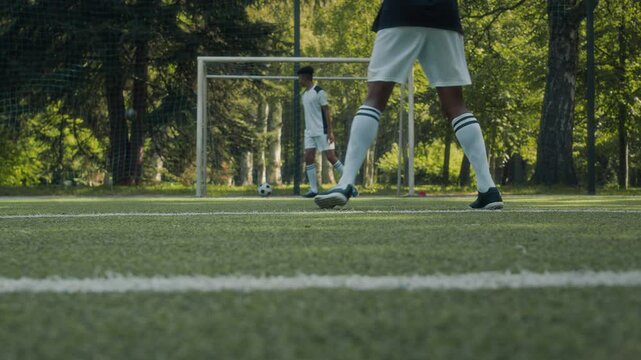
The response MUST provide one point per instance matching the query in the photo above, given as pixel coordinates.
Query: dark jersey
(440, 14)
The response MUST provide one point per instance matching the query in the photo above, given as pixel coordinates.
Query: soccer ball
(265, 190)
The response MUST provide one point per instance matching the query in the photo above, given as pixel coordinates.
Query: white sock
(311, 177)
(468, 132)
(364, 128)
(338, 167)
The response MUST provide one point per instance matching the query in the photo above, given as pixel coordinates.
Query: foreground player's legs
(310, 169)
(468, 132)
(395, 51)
(364, 129)
(363, 132)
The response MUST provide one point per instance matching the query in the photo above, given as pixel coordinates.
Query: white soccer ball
(265, 190)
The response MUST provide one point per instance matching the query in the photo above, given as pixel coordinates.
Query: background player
(318, 128)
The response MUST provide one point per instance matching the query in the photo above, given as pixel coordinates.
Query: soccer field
(550, 277)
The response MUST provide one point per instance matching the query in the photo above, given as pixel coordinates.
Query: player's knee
(378, 94)
(453, 110)
(452, 103)
(376, 103)
(310, 157)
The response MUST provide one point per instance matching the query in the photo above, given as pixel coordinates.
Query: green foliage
(19, 161)
(90, 57)
(60, 58)
(52, 148)
(428, 162)
(618, 58)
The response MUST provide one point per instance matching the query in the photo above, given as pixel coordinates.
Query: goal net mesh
(104, 92)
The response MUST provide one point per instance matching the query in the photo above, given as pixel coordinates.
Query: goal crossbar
(201, 113)
(283, 77)
(264, 59)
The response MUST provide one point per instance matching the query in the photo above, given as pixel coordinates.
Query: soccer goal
(245, 92)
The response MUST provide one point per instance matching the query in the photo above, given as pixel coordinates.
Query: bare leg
(310, 156)
(378, 94)
(331, 156)
(452, 102)
(336, 164)
(310, 170)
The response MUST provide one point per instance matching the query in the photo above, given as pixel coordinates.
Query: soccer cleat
(335, 197)
(490, 200)
(310, 194)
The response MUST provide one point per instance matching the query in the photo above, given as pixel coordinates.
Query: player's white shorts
(318, 142)
(440, 52)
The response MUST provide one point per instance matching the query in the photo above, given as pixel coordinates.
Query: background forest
(103, 92)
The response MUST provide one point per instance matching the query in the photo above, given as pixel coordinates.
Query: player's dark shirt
(440, 14)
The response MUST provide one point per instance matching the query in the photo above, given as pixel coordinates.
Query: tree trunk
(261, 160)
(222, 174)
(622, 173)
(554, 153)
(275, 128)
(158, 167)
(464, 175)
(246, 167)
(446, 156)
(514, 172)
(118, 129)
(137, 142)
(368, 167)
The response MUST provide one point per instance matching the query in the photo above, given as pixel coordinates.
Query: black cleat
(335, 197)
(310, 194)
(490, 200)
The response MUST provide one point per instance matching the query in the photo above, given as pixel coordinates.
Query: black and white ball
(265, 190)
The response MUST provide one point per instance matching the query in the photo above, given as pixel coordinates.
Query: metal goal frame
(202, 112)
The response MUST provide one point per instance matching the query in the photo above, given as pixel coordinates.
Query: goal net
(250, 121)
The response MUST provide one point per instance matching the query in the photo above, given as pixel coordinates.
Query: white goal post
(202, 112)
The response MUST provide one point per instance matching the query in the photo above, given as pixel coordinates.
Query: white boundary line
(318, 212)
(468, 282)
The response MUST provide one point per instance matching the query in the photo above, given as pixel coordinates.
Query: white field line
(468, 282)
(317, 213)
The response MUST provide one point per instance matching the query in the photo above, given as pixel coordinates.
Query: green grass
(527, 324)
(591, 323)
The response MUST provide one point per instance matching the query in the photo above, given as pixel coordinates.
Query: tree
(555, 163)
(102, 84)
(137, 60)
(274, 128)
(618, 53)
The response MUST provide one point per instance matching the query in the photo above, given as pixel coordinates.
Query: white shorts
(318, 142)
(440, 52)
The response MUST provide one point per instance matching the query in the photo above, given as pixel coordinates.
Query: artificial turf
(591, 323)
